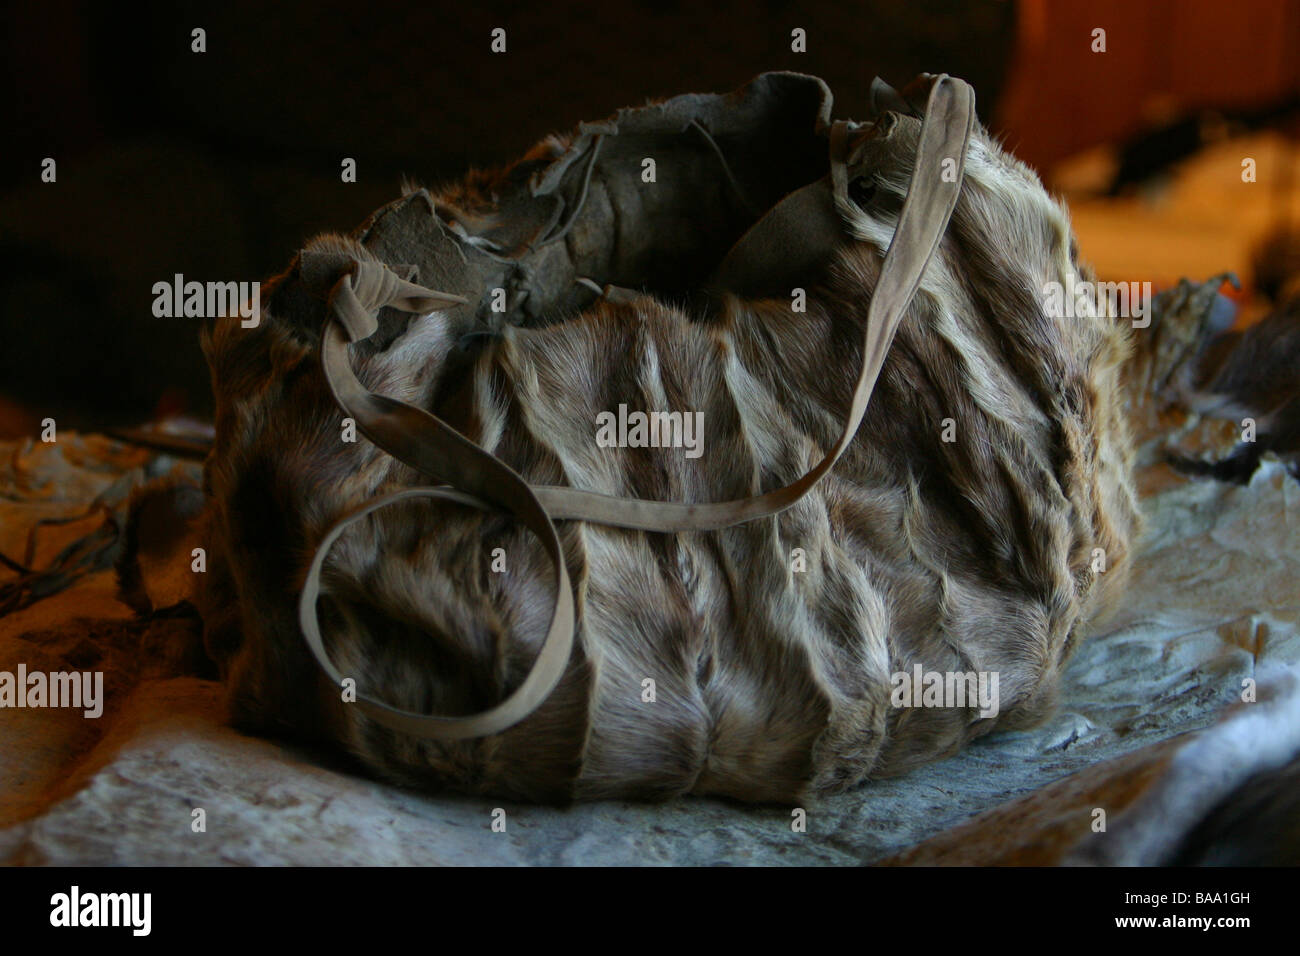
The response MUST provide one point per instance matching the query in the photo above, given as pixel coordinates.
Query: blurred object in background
(1147, 138)
(1210, 400)
(220, 165)
(1161, 58)
(1203, 219)
(1277, 263)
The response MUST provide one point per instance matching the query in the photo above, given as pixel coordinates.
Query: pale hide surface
(1213, 601)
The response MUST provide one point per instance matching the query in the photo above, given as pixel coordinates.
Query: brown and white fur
(771, 684)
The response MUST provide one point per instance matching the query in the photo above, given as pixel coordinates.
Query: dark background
(220, 165)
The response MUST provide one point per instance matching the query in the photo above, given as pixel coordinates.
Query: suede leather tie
(476, 478)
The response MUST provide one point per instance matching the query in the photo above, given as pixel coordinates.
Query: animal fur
(771, 684)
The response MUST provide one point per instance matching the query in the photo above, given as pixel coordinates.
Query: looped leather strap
(476, 478)
(542, 677)
(430, 445)
(366, 287)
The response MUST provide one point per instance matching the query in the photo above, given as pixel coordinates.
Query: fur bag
(742, 273)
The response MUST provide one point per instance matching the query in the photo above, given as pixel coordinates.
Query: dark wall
(219, 165)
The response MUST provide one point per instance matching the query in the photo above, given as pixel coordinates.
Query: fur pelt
(770, 683)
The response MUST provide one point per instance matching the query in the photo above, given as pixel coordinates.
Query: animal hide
(1251, 377)
(960, 532)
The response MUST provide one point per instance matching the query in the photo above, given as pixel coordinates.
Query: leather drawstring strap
(473, 476)
(477, 478)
